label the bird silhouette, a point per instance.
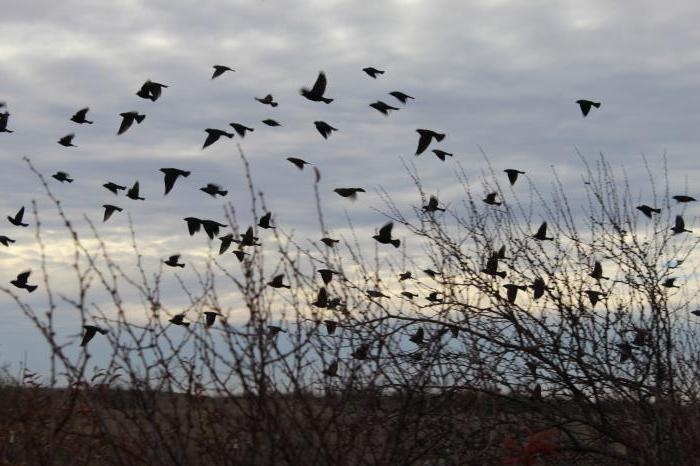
(382, 107)
(696, 312)
(384, 235)
(679, 227)
(492, 267)
(330, 242)
(315, 94)
(213, 189)
(324, 128)
(173, 261)
(21, 281)
(594, 296)
(331, 326)
(321, 298)
(4, 118)
(441, 154)
(408, 294)
(431, 273)
(179, 319)
(226, 242)
(213, 135)
(109, 210)
(265, 221)
(67, 140)
(219, 70)
(684, 198)
(373, 72)
(247, 239)
(586, 105)
(62, 177)
(90, 332)
(597, 272)
(403, 98)
(211, 228)
(417, 337)
(512, 291)
(271, 122)
(115, 188)
(432, 205)
(669, 283)
(376, 294)
(171, 175)
(542, 233)
(133, 193)
(5, 241)
(405, 275)
(267, 100)
(278, 282)
(426, 136)
(349, 192)
(210, 316)
(273, 330)
(240, 255)
(647, 210)
(17, 219)
(80, 116)
(433, 297)
(299, 163)
(151, 90)
(538, 287)
(491, 199)
(193, 224)
(128, 119)
(240, 129)
(326, 275)
(513, 175)
(501, 253)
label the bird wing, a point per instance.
(423, 143)
(542, 230)
(23, 277)
(19, 215)
(193, 225)
(512, 176)
(385, 231)
(680, 223)
(170, 178)
(597, 269)
(127, 121)
(211, 139)
(90, 332)
(320, 84)
(80, 114)
(109, 210)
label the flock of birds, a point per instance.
(152, 91)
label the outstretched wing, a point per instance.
(320, 84)
(385, 231)
(127, 121)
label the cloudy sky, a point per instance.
(492, 74)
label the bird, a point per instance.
(349, 192)
(384, 235)
(321, 298)
(512, 291)
(594, 296)
(417, 337)
(669, 283)
(240, 129)
(326, 275)
(4, 117)
(373, 72)
(432, 205)
(171, 175)
(151, 90)
(361, 352)
(513, 175)
(501, 253)
(67, 140)
(219, 70)
(62, 177)
(433, 297)
(211, 227)
(324, 128)
(405, 275)
(441, 154)
(684, 198)
(213, 135)
(542, 233)
(696, 312)
(586, 105)
(597, 272)
(115, 188)
(21, 281)
(330, 242)
(267, 100)
(17, 219)
(133, 193)
(538, 287)
(210, 316)
(315, 94)
(431, 273)
(80, 115)
(226, 241)
(179, 319)
(90, 332)
(299, 163)
(382, 107)
(679, 227)
(213, 189)
(240, 255)
(490, 199)
(128, 119)
(109, 210)
(271, 122)
(403, 98)
(492, 267)
(426, 136)
(277, 282)
(331, 370)
(265, 221)
(247, 239)
(408, 294)
(173, 261)
(647, 210)
(376, 294)
(5, 241)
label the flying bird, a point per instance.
(179, 319)
(226, 242)
(647, 210)
(349, 192)
(211, 228)
(670, 283)
(321, 298)
(512, 291)
(492, 267)
(538, 287)
(384, 235)
(265, 221)
(594, 296)
(17, 219)
(133, 193)
(62, 177)
(373, 72)
(683, 198)
(90, 332)
(426, 136)
(240, 129)
(128, 119)
(417, 337)
(151, 90)
(441, 154)
(315, 94)
(80, 116)
(115, 188)
(193, 224)
(586, 105)
(408, 294)
(405, 276)
(4, 117)
(171, 175)
(109, 210)
(213, 189)
(542, 233)
(433, 297)
(491, 199)
(403, 98)
(173, 261)
(597, 272)
(210, 316)
(376, 294)
(278, 282)
(299, 163)
(679, 227)
(432, 205)
(382, 107)
(501, 253)
(513, 175)
(267, 100)
(271, 122)
(240, 255)
(67, 140)
(361, 352)
(219, 70)
(5, 241)
(21, 282)
(247, 239)
(431, 273)
(330, 242)
(324, 128)
(213, 135)
(326, 275)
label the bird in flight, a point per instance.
(597, 272)
(265, 221)
(349, 192)
(271, 122)
(109, 210)
(171, 175)
(417, 337)
(115, 188)
(214, 189)
(426, 136)
(21, 282)
(384, 235)
(432, 205)
(133, 193)
(683, 198)
(586, 105)
(382, 107)
(247, 239)
(210, 316)
(315, 94)
(513, 175)
(4, 117)
(324, 128)
(405, 275)
(67, 140)
(492, 267)
(400, 96)
(219, 70)
(326, 275)
(594, 296)
(128, 119)
(330, 242)
(151, 90)
(321, 298)
(298, 162)
(647, 210)
(538, 287)
(90, 332)
(441, 154)
(213, 135)
(179, 319)
(679, 227)
(17, 219)
(5, 241)
(173, 261)
(62, 177)
(80, 116)
(240, 129)
(278, 282)
(542, 233)
(267, 100)
(491, 199)
(373, 72)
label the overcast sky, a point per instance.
(497, 74)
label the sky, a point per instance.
(500, 77)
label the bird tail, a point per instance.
(396, 243)
(658, 211)
(139, 118)
(273, 104)
(223, 193)
(31, 288)
(182, 266)
(70, 180)
(89, 122)
(440, 136)
(596, 104)
(328, 100)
